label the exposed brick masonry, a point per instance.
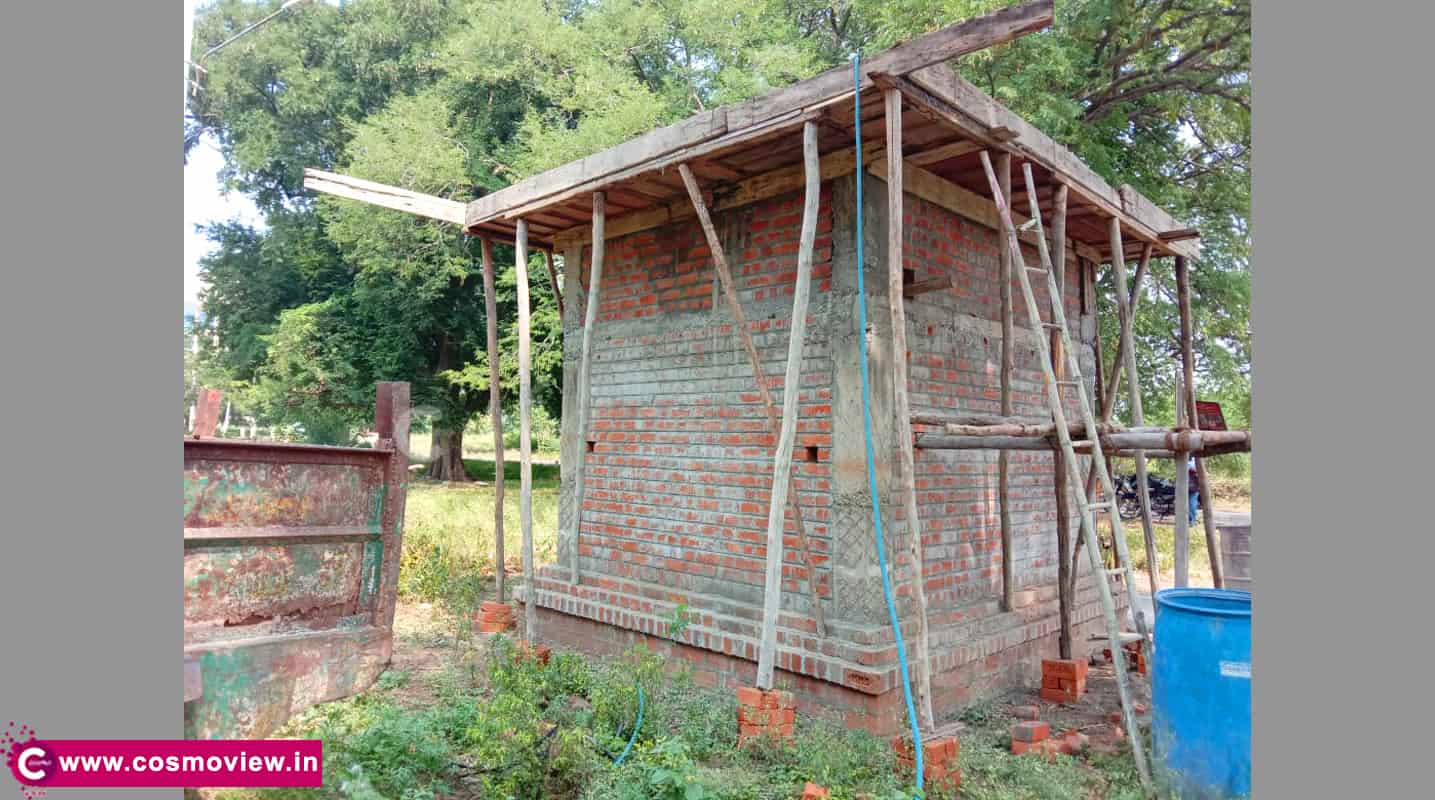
(679, 462)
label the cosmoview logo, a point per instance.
(159, 763)
(34, 762)
(29, 758)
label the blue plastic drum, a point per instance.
(1201, 693)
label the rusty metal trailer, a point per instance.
(291, 559)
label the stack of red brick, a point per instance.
(493, 617)
(1135, 657)
(764, 712)
(813, 792)
(1034, 736)
(540, 653)
(939, 759)
(1062, 680)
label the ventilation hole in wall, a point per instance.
(592, 445)
(811, 453)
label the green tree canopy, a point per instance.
(461, 97)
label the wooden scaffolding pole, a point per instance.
(791, 388)
(1004, 266)
(1183, 498)
(1059, 467)
(1188, 366)
(553, 280)
(739, 323)
(1127, 351)
(525, 431)
(495, 411)
(1044, 437)
(1113, 379)
(906, 483)
(585, 372)
(1107, 400)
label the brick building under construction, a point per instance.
(685, 374)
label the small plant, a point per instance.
(678, 622)
(670, 773)
(392, 679)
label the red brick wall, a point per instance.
(680, 466)
(955, 366)
(679, 470)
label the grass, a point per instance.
(485, 724)
(491, 724)
(449, 532)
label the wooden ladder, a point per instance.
(1093, 439)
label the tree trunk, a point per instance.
(447, 454)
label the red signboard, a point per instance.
(1209, 417)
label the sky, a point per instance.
(204, 200)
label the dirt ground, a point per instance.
(427, 649)
(1098, 711)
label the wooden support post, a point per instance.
(1004, 267)
(553, 280)
(1128, 355)
(1059, 467)
(585, 372)
(525, 430)
(1183, 499)
(906, 483)
(729, 292)
(1113, 380)
(1188, 367)
(495, 413)
(1103, 410)
(206, 415)
(391, 423)
(1107, 400)
(791, 388)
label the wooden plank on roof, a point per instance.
(944, 152)
(1145, 218)
(378, 194)
(932, 48)
(694, 129)
(750, 190)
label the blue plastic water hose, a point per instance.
(637, 726)
(867, 434)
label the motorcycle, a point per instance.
(1162, 494)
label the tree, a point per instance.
(461, 98)
(1154, 93)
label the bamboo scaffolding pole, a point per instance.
(791, 388)
(1128, 356)
(927, 418)
(1107, 403)
(1058, 463)
(553, 280)
(1103, 407)
(1183, 499)
(906, 481)
(1188, 368)
(739, 318)
(585, 378)
(495, 411)
(525, 429)
(1126, 440)
(1004, 268)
